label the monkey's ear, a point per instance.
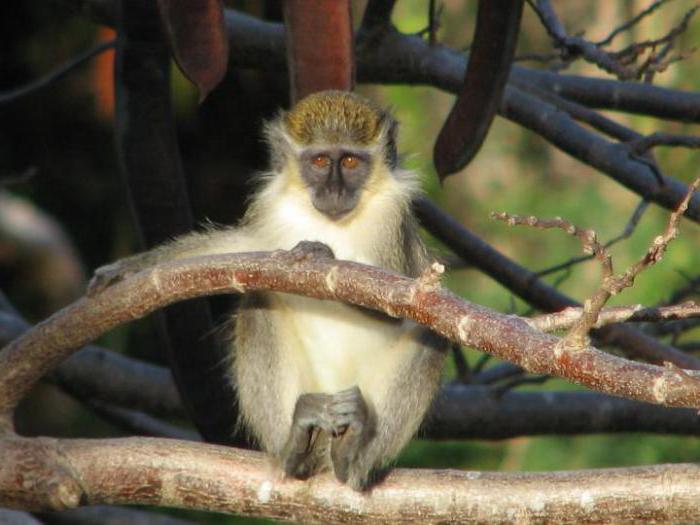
(280, 144)
(390, 131)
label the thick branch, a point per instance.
(386, 56)
(478, 412)
(28, 358)
(260, 45)
(208, 477)
(101, 375)
(462, 411)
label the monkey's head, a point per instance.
(334, 144)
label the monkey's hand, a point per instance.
(352, 430)
(312, 249)
(106, 276)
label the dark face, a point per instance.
(335, 177)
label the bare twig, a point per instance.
(611, 284)
(631, 52)
(625, 234)
(496, 373)
(56, 75)
(462, 371)
(536, 292)
(622, 63)
(647, 142)
(691, 287)
(629, 24)
(519, 380)
(619, 314)
(578, 334)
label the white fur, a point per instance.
(340, 345)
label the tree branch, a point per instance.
(468, 411)
(101, 375)
(151, 471)
(54, 76)
(391, 57)
(535, 291)
(478, 412)
(618, 314)
(38, 351)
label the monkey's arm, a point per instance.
(209, 242)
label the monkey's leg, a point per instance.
(398, 405)
(352, 429)
(302, 452)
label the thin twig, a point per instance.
(623, 63)
(56, 75)
(643, 144)
(463, 373)
(626, 233)
(523, 379)
(618, 314)
(611, 284)
(629, 24)
(691, 288)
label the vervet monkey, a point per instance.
(322, 384)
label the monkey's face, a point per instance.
(335, 177)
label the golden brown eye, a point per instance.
(321, 161)
(350, 162)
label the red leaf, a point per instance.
(493, 48)
(197, 34)
(319, 46)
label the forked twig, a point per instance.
(611, 284)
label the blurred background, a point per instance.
(63, 210)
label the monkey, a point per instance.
(324, 385)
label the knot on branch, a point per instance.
(429, 280)
(39, 470)
(672, 377)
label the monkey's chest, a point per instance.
(341, 346)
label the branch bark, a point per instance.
(28, 358)
(198, 476)
(461, 411)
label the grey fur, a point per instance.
(271, 356)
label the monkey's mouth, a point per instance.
(334, 205)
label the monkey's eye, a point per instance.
(321, 161)
(350, 162)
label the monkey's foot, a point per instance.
(299, 457)
(350, 417)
